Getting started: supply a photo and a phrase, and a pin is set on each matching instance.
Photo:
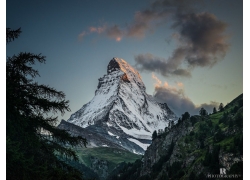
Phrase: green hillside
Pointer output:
(193, 148)
(112, 155)
(103, 160)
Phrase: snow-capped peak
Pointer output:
(130, 74)
(121, 105)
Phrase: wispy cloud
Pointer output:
(158, 81)
(113, 32)
(144, 21)
(98, 30)
(176, 99)
(81, 35)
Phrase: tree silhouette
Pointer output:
(185, 116)
(154, 135)
(221, 107)
(214, 110)
(12, 34)
(35, 148)
(203, 112)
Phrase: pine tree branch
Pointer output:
(11, 35)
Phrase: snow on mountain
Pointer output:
(144, 146)
(123, 107)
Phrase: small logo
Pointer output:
(223, 171)
(223, 174)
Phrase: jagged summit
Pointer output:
(122, 108)
(130, 74)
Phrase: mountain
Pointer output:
(196, 148)
(121, 114)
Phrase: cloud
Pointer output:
(144, 21)
(159, 12)
(81, 35)
(176, 99)
(180, 84)
(209, 107)
(98, 30)
(114, 32)
(153, 63)
(203, 42)
(158, 81)
(201, 39)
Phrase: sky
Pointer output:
(188, 52)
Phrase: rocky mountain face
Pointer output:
(161, 144)
(191, 155)
(121, 114)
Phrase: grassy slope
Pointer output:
(112, 155)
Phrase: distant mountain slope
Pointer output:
(196, 149)
(103, 160)
(121, 111)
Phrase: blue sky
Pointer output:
(188, 54)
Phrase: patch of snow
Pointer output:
(111, 134)
(109, 125)
(139, 134)
(143, 146)
(135, 152)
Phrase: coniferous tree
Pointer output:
(203, 112)
(221, 107)
(193, 120)
(185, 116)
(214, 110)
(33, 142)
(12, 34)
(154, 135)
(240, 102)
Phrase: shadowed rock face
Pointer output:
(121, 111)
(98, 136)
(113, 66)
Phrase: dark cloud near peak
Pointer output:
(152, 63)
(175, 99)
(179, 102)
